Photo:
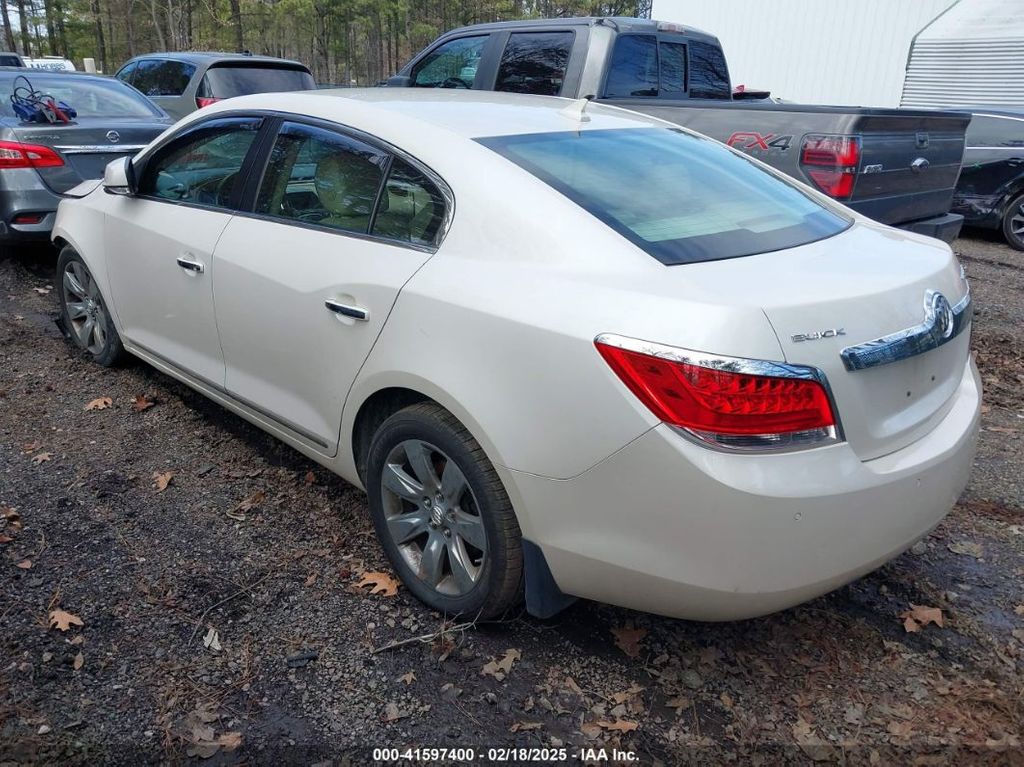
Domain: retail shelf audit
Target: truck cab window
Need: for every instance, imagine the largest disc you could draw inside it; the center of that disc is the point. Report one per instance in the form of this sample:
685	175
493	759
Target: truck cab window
450	65
534	62
633	70
709	76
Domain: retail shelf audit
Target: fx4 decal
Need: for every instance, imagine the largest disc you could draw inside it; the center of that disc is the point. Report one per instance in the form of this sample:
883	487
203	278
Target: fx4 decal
748	140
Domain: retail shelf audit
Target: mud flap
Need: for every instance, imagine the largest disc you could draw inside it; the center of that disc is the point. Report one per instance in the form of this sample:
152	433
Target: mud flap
543	597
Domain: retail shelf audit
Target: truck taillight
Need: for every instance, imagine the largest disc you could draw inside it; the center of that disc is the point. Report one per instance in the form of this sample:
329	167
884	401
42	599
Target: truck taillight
727	402
205	101
14	154
831	163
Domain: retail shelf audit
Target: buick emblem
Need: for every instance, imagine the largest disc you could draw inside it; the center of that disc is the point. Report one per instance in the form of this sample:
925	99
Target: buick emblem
113	136
945	320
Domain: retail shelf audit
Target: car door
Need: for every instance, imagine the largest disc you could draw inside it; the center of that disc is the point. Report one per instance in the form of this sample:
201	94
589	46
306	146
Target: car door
306	280
160	243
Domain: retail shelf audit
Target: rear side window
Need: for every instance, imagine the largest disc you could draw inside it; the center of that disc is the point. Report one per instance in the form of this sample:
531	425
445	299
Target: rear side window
643	66
681	198
162	77
411	209
995	132
126	72
450	65
225	82
709	76
535	62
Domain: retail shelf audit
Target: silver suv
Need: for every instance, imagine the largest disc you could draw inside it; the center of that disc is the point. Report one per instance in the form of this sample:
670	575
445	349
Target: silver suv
186	81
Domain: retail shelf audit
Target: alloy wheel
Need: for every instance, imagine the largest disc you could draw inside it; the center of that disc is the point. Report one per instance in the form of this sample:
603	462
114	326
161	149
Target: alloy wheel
1017	221
433	517
86	314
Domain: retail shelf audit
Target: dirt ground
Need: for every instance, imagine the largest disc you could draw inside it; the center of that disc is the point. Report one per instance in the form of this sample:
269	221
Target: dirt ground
222	618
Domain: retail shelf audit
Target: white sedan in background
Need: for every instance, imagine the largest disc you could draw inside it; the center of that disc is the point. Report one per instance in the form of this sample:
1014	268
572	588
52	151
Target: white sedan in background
568	350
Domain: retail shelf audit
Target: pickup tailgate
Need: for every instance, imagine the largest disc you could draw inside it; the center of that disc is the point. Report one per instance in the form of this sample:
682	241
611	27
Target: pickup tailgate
909	165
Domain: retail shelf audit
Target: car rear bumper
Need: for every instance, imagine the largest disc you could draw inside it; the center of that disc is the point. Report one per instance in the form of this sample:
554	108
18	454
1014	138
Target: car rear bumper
21	192
945	227
671	527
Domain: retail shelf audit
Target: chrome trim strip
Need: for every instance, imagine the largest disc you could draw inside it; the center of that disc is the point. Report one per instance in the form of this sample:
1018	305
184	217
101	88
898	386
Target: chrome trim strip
100	148
298	431
744	365
942	323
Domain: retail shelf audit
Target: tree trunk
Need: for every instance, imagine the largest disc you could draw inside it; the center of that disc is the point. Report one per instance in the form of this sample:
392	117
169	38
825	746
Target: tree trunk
22	28
236	22
156	25
51	25
8	34
101	43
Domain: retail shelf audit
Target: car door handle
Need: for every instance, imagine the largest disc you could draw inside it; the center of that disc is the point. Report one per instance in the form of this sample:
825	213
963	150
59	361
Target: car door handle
347	310
190	265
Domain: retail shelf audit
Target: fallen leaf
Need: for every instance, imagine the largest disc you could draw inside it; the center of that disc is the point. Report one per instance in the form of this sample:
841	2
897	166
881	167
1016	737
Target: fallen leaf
247	504
161	479
619	725
813	746
39	458
310	478
25	564
63	620
382	583
622	697
571	684
919	616
392	713
100	403
42	291
229	741
499	669
591	730
408	678
966	548
525	726
5	539
628	640
79	661
310	580
1019	609
679	703
212	640
12	516
78	640
31	447
726	700
142	402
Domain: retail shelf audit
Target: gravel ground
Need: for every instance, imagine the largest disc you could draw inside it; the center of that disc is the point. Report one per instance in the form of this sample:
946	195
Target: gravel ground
222	618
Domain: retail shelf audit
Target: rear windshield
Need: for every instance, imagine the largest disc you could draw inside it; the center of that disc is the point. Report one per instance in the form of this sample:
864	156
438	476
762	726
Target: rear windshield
226	82
89	96
681	198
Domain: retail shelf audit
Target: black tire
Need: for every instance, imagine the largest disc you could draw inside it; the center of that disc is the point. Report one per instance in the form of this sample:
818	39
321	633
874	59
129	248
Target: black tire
104	346
1014	210
499	576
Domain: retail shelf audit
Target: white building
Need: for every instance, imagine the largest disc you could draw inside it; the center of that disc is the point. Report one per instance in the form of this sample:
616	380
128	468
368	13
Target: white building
869	52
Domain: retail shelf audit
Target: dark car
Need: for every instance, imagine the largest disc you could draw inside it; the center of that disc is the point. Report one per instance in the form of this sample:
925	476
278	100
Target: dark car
990	192
184	82
11	59
40	161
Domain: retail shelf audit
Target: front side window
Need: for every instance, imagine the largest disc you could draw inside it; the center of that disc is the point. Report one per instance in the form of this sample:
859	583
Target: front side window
125	73
202	166
320	177
163	77
680	197
709	76
534	62
450	65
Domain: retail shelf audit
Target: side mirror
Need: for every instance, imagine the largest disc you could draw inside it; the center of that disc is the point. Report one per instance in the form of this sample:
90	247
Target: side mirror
119	177
398	81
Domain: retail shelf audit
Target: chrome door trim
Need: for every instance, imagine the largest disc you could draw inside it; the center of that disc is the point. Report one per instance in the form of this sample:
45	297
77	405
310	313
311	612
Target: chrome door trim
234	398
942	323
100	148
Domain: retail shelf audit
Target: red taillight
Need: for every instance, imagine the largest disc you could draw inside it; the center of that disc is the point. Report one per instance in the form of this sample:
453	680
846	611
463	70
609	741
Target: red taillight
14	154
205	101
831	162
28	218
722	405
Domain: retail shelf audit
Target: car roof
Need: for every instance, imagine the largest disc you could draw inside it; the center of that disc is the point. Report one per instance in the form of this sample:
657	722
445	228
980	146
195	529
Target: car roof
622	24
469	114
210	57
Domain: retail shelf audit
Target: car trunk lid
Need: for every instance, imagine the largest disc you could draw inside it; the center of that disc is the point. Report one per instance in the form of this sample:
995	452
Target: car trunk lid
87	146
846	291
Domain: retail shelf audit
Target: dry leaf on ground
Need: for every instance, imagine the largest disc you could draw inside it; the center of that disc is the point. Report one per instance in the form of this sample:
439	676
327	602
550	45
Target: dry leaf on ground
967	548
63	620
622	697
919	616
11	516
392	713
25	564
161	479
408	678
499	669
5	539
100	403
142	402
382	583
41	457
212	640
628	639
247	504
79	661
310	478
618	725
525	726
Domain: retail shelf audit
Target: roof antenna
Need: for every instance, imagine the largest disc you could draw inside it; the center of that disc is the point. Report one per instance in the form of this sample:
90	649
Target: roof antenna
577	110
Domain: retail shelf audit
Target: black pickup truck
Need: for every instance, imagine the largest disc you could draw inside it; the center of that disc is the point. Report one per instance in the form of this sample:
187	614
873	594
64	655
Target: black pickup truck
897	166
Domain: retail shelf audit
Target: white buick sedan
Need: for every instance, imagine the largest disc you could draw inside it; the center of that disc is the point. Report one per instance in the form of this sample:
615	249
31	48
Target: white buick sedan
568	350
